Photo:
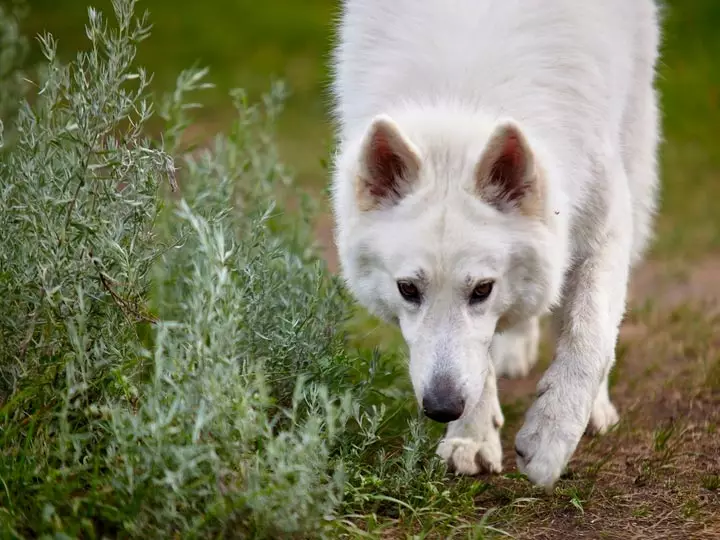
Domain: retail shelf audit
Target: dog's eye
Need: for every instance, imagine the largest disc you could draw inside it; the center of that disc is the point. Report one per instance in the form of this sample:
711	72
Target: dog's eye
481	292
409	291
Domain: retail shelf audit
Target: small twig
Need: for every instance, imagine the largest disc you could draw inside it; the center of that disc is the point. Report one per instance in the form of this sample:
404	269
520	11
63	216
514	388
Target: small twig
123	304
71	204
81	182
31	328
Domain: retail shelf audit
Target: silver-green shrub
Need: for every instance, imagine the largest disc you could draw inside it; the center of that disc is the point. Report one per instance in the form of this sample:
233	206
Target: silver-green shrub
173	352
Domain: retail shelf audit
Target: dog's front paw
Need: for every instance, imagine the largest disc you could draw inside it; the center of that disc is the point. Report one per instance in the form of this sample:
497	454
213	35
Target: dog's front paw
547	440
470	457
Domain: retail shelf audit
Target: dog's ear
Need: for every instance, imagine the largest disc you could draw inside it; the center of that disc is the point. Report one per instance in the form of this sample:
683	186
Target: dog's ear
389	165
506	175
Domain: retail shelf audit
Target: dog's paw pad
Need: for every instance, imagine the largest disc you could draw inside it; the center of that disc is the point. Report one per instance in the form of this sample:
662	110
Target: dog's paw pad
471	457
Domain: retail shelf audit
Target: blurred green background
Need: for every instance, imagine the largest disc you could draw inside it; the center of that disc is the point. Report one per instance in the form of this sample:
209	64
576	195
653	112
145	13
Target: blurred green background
244	43
249	43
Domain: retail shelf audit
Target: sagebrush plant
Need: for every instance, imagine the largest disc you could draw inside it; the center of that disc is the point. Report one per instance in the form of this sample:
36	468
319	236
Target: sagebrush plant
179	362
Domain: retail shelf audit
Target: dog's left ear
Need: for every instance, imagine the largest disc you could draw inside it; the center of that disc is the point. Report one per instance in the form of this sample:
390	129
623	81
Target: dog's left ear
389	165
506	175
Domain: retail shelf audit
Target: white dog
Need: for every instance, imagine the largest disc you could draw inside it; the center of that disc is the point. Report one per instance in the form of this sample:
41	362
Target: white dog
496	161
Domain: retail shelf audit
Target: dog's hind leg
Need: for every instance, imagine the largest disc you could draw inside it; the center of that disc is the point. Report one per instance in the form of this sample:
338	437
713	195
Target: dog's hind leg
515	350
472	443
604	414
573	391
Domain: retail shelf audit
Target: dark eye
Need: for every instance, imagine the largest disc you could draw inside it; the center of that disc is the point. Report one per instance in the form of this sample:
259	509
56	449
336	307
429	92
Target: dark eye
409	291
481	292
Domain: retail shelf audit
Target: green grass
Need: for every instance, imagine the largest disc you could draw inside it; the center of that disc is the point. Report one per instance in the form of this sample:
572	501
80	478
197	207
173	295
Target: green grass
112	425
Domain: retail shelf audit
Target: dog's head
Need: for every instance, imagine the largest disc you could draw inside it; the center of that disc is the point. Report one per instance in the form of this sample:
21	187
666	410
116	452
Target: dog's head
444	226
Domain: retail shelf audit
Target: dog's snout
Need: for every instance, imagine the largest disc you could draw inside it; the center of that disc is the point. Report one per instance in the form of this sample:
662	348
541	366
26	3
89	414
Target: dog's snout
442	400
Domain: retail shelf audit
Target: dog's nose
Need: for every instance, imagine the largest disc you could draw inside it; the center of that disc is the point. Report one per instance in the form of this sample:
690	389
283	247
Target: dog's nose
442	401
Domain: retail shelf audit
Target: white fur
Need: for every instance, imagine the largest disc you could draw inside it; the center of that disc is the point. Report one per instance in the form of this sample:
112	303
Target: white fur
472	443
516	349
576	78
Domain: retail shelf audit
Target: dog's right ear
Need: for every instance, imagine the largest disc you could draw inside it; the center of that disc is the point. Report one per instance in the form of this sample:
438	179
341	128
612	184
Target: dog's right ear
389	164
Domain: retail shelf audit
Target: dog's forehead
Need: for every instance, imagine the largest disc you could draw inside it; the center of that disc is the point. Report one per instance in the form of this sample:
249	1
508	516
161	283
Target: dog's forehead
447	242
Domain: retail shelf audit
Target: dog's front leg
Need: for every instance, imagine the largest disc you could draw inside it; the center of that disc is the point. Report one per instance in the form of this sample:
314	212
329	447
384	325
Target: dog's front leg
587	323
515	350
472	443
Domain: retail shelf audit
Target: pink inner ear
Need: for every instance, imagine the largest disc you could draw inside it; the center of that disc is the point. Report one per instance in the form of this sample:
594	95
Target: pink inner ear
508	170
386	168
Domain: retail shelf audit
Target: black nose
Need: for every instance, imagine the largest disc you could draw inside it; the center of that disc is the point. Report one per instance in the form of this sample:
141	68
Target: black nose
442	401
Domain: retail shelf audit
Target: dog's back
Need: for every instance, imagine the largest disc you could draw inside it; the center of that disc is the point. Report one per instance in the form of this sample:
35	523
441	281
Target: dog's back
578	74
489	53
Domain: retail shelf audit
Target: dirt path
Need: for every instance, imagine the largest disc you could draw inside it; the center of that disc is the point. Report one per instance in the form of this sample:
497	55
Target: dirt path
658	474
